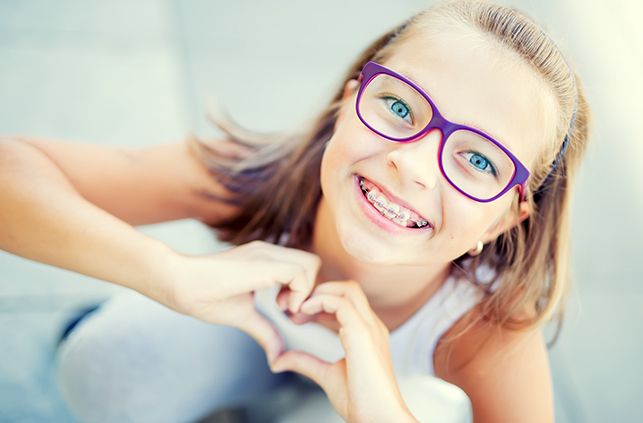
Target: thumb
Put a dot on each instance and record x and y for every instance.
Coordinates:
(319, 371)
(265, 333)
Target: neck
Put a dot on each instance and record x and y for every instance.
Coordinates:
(389, 288)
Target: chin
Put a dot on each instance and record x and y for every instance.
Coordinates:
(366, 248)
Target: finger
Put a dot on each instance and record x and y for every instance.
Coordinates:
(282, 298)
(295, 299)
(291, 295)
(313, 270)
(297, 317)
(331, 377)
(363, 343)
(360, 341)
(288, 274)
(298, 290)
(324, 374)
(344, 311)
(265, 334)
(261, 250)
(290, 300)
(309, 262)
(301, 318)
(353, 292)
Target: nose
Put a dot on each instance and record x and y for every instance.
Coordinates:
(417, 161)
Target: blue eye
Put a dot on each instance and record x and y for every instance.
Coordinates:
(482, 163)
(399, 108)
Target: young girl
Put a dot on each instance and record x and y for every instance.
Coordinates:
(419, 226)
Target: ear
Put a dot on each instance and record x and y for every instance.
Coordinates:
(507, 221)
(349, 89)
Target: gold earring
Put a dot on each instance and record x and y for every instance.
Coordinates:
(476, 251)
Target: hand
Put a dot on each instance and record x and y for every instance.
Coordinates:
(362, 386)
(219, 288)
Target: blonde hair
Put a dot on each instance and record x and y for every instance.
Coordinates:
(274, 178)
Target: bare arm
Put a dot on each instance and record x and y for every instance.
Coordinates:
(138, 185)
(73, 218)
(505, 373)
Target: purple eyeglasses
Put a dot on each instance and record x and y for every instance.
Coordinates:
(473, 162)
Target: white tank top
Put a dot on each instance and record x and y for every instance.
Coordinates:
(412, 344)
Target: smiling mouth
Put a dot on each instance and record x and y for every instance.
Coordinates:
(394, 212)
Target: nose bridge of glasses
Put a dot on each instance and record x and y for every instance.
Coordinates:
(427, 135)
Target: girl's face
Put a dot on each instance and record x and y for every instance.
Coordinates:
(472, 82)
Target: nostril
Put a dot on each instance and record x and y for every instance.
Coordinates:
(392, 157)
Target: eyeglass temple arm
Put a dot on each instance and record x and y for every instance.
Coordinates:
(523, 192)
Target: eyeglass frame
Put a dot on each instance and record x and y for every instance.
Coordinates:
(521, 174)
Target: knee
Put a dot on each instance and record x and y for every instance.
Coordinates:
(102, 383)
(89, 383)
(117, 376)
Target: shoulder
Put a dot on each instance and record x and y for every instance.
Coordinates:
(504, 372)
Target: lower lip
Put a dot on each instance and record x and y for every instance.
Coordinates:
(376, 217)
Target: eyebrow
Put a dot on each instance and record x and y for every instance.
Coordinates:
(409, 75)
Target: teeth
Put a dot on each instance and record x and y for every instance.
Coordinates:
(401, 222)
(394, 212)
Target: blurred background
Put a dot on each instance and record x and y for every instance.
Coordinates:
(139, 73)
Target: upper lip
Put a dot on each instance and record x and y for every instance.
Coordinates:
(396, 199)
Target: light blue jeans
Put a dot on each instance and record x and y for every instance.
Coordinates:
(134, 360)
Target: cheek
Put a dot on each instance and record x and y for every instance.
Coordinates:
(461, 227)
(460, 223)
(350, 144)
(466, 222)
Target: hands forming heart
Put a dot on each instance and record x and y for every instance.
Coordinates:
(220, 288)
(361, 386)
